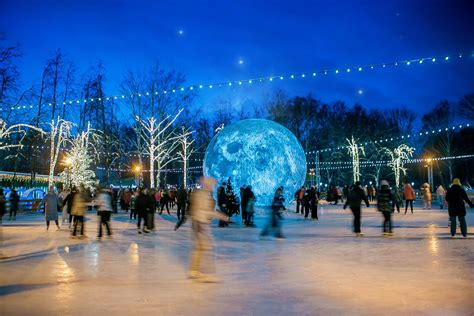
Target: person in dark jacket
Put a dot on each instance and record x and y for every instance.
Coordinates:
(181, 198)
(354, 199)
(164, 201)
(69, 200)
(2, 205)
(222, 203)
(313, 203)
(306, 203)
(384, 204)
(456, 196)
(14, 201)
(275, 217)
(141, 205)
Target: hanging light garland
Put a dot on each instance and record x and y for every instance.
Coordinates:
(391, 139)
(251, 81)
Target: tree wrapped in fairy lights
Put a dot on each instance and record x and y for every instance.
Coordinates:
(160, 143)
(78, 161)
(398, 157)
(186, 150)
(354, 151)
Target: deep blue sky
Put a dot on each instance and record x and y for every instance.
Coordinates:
(271, 37)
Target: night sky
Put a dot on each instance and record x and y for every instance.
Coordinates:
(214, 41)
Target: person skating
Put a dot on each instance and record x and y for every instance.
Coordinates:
(104, 206)
(78, 210)
(133, 210)
(440, 195)
(314, 200)
(150, 210)
(409, 195)
(181, 198)
(306, 203)
(397, 199)
(50, 203)
(202, 212)
(222, 203)
(299, 195)
(14, 201)
(64, 211)
(275, 217)
(426, 196)
(384, 205)
(456, 196)
(354, 199)
(164, 201)
(250, 206)
(141, 205)
(243, 204)
(67, 203)
(2, 205)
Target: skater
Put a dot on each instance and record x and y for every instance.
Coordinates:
(384, 204)
(202, 212)
(126, 197)
(314, 200)
(306, 203)
(250, 207)
(299, 195)
(354, 199)
(142, 206)
(426, 197)
(78, 210)
(50, 203)
(164, 201)
(243, 204)
(222, 203)
(397, 199)
(14, 201)
(2, 205)
(456, 196)
(409, 195)
(181, 198)
(133, 209)
(440, 195)
(67, 203)
(275, 217)
(64, 211)
(150, 211)
(104, 205)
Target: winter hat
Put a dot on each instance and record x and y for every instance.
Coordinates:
(456, 181)
(384, 182)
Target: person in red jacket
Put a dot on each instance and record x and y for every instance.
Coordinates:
(409, 195)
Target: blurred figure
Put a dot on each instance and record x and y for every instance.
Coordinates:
(397, 199)
(354, 199)
(202, 212)
(2, 205)
(456, 196)
(440, 195)
(68, 202)
(299, 195)
(181, 198)
(78, 210)
(133, 209)
(222, 203)
(306, 203)
(51, 205)
(104, 206)
(384, 204)
(426, 196)
(314, 200)
(64, 211)
(14, 201)
(150, 210)
(243, 204)
(275, 217)
(126, 198)
(409, 195)
(164, 201)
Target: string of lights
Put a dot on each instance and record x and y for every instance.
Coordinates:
(390, 139)
(374, 163)
(262, 79)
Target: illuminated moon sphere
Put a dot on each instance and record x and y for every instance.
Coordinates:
(260, 153)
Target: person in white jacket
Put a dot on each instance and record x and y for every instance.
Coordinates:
(440, 195)
(104, 207)
(202, 212)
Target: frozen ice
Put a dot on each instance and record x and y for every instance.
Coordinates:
(320, 269)
(257, 152)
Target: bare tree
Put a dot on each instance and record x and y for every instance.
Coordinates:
(60, 131)
(186, 150)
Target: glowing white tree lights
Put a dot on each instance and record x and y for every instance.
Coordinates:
(185, 151)
(160, 144)
(60, 131)
(354, 149)
(399, 156)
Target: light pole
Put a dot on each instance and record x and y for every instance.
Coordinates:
(429, 168)
(137, 175)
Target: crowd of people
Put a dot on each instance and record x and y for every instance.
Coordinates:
(201, 207)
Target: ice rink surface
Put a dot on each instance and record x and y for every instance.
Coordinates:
(321, 268)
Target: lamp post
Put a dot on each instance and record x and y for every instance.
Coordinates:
(137, 175)
(429, 167)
